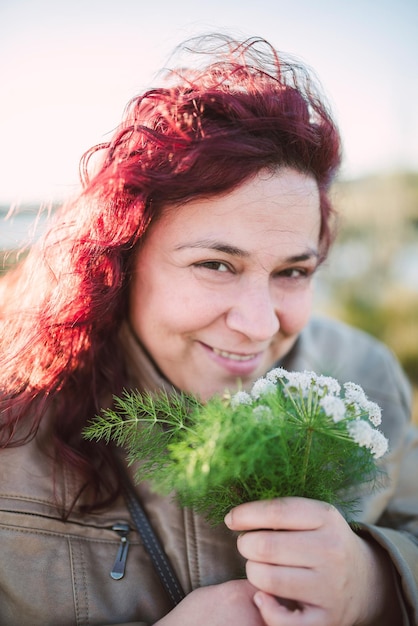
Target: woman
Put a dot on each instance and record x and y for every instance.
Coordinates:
(187, 262)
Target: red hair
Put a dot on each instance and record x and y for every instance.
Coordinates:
(239, 109)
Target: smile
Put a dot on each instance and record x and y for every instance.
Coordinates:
(233, 356)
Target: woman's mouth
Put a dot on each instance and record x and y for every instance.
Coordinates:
(233, 355)
(235, 363)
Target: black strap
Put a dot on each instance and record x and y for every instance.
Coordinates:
(153, 546)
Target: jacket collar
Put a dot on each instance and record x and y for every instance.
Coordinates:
(142, 371)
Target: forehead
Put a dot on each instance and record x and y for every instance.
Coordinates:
(284, 201)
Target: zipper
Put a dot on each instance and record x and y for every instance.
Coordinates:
(121, 528)
(118, 569)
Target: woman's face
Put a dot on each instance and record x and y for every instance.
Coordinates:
(222, 286)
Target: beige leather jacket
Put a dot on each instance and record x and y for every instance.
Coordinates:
(58, 574)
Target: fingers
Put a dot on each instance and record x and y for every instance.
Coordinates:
(276, 612)
(302, 550)
(295, 549)
(294, 583)
(280, 514)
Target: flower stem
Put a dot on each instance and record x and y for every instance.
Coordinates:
(306, 457)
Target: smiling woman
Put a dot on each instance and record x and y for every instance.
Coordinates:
(186, 265)
(236, 271)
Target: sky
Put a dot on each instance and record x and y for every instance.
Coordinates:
(67, 69)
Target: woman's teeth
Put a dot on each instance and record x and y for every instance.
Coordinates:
(233, 356)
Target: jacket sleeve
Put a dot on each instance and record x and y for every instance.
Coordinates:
(392, 520)
(388, 516)
(397, 530)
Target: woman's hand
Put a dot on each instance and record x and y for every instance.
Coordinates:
(227, 604)
(303, 551)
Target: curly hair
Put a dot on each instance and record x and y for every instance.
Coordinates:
(233, 109)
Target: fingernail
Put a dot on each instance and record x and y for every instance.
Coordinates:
(228, 519)
(258, 599)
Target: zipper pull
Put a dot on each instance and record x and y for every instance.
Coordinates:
(118, 569)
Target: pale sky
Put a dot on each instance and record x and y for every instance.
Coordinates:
(67, 69)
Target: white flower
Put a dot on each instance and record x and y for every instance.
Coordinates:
(368, 437)
(353, 409)
(300, 382)
(361, 432)
(329, 384)
(374, 412)
(379, 444)
(355, 396)
(274, 375)
(334, 407)
(354, 393)
(241, 397)
(262, 412)
(262, 387)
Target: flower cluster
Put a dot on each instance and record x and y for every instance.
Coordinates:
(292, 434)
(322, 393)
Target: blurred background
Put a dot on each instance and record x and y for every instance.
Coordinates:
(68, 69)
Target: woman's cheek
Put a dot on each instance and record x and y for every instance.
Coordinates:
(296, 312)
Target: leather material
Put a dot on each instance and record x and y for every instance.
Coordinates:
(58, 574)
(151, 542)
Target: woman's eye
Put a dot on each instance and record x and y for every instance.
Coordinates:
(294, 272)
(216, 266)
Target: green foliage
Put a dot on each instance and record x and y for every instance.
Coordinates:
(142, 424)
(215, 456)
(394, 321)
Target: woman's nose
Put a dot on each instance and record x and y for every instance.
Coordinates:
(254, 314)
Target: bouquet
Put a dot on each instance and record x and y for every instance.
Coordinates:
(292, 434)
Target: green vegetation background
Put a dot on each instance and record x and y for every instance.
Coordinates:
(371, 277)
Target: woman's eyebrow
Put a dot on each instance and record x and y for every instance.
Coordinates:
(220, 246)
(305, 256)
